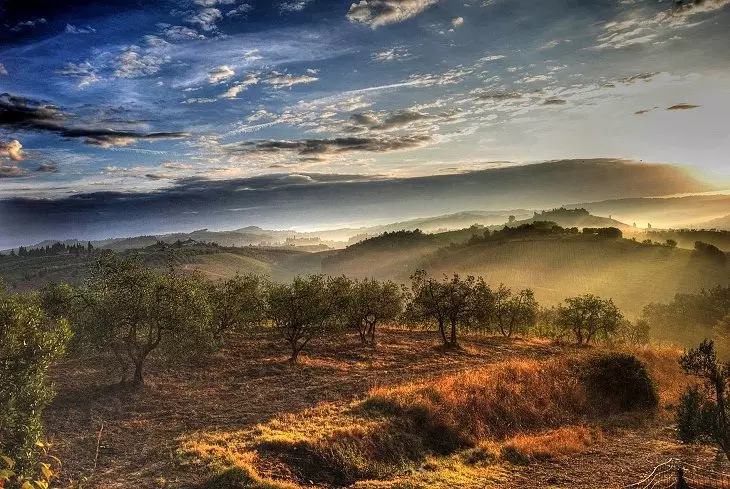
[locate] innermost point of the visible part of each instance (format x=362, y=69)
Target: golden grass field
x=409, y=414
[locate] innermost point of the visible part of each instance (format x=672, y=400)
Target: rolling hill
x=554, y=266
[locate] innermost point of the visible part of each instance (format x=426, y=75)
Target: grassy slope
x=555, y=267
x=214, y=262
x=463, y=429
x=195, y=421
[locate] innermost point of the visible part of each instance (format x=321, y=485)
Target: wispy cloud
x=376, y=13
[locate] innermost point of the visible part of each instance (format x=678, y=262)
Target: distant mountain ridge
x=323, y=200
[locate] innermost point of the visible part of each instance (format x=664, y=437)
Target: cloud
x=32, y=115
x=637, y=26
x=84, y=73
x=499, y=96
x=240, y=11
x=294, y=5
x=206, y=18
x=323, y=147
x=376, y=13
x=29, y=24
x=682, y=106
x=11, y=172
x=220, y=73
x=285, y=80
x=364, y=119
x=391, y=54
x=199, y=100
x=398, y=120
x=212, y=3
x=11, y=152
x=645, y=77
x=251, y=79
x=72, y=29
x=135, y=63
x=47, y=168
x=181, y=33
x=493, y=57
x=3, y=71
x=12, y=149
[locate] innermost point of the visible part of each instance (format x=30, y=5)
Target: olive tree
x=369, y=302
x=238, y=302
x=589, y=318
x=447, y=303
x=514, y=313
x=304, y=309
x=30, y=342
x=134, y=310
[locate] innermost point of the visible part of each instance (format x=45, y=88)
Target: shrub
x=30, y=343
x=695, y=416
x=621, y=380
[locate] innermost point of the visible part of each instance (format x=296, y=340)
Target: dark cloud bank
x=329, y=200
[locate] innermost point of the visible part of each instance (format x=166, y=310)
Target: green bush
x=620, y=381
x=29, y=344
x=696, y=416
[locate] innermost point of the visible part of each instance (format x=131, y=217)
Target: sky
x=105, y=99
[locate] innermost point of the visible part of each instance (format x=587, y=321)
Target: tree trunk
x=453, y=334
x=443, y=333
x=138, y=379
x=294, y=353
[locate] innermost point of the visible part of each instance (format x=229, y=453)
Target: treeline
x=691, y=316
x=53, y=250
x=543, y=228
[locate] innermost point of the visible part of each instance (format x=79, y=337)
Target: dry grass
x=247, y=418
x=559, y=443
x=446, y=431
x=249, y=382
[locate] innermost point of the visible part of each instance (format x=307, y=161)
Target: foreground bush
x=704, y=412
x=30, y=343
x=619, y=381
x=500, y=401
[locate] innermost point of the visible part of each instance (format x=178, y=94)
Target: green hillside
x=554, y=266
x=23, y=273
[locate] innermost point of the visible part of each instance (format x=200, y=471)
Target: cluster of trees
x=543, y=228
x=53, y=250
x=709, y=252
x=453, y=303
x=689, y=316
x=608, y=233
